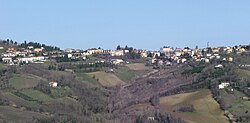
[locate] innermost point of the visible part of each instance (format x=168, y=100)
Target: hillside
x=66, y=86
x=206, y=109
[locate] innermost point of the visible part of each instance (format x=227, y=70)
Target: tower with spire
x=208, y=44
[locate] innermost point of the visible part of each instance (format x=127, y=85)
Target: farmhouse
x=223, y=85
x=53, y=84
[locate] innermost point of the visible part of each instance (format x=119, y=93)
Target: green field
x=59, y=91
x=20, y=81
x=14, y=115
x=137, y=66
x=234, y=100
x=37, y=95
x=15, y=100
x=207, y=110
x=106, y=79
x=87, y=79
x=126, y=73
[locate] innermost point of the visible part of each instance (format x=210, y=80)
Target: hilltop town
x=41, y=83
x=38, y=53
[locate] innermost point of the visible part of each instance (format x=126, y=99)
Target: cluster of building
x=179, y=55
x=165, y=56
x=23, y=55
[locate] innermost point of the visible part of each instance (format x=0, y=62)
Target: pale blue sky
x=145, y=24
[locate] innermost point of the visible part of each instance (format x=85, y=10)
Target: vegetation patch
x=235, y=103
x=87, y=79
x=125, y=74
x=20, y=81
x=2, y=66
x=243, y=73
x=14, y=115
x=59, y=92
x=37, y=95
x=137, y=66
x=25, y=97
x=17, y=100
x=193, y=70
x=106, y=79
x=195, y=107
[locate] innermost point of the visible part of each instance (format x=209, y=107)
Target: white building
x=30, y=47
x=183, y=60
x=177, y=53
x=117, y=53
x=206, y=60
x=157, y=54
x=223, y=85
x=219, y=66
x=7, y=60
x=117, y=61
x=230, y=59
x=53, y=84
x=94, y=51
x=70, y=55
x=31, y=59
x=144, y=54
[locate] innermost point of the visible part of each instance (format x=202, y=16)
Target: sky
x=142, y=24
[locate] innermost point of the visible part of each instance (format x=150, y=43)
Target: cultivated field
x=38, y=95
x=234, y=100
x=206, y=108
x=19, y=81
x=137, y=66
x=15, y=100
x=14, y=115
x=83, y=77
x=128, y=72
x=106, y=79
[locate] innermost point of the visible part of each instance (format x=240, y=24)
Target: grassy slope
x=87, y=79
x=206, y=108
x=38, y=95
x=20, y=81
x=137, y=66
x=106, y=79
x=239, y=106
x=18, y=100
x=14, y=115
x=60, y=91
x=128, y=72
x=125, y=74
